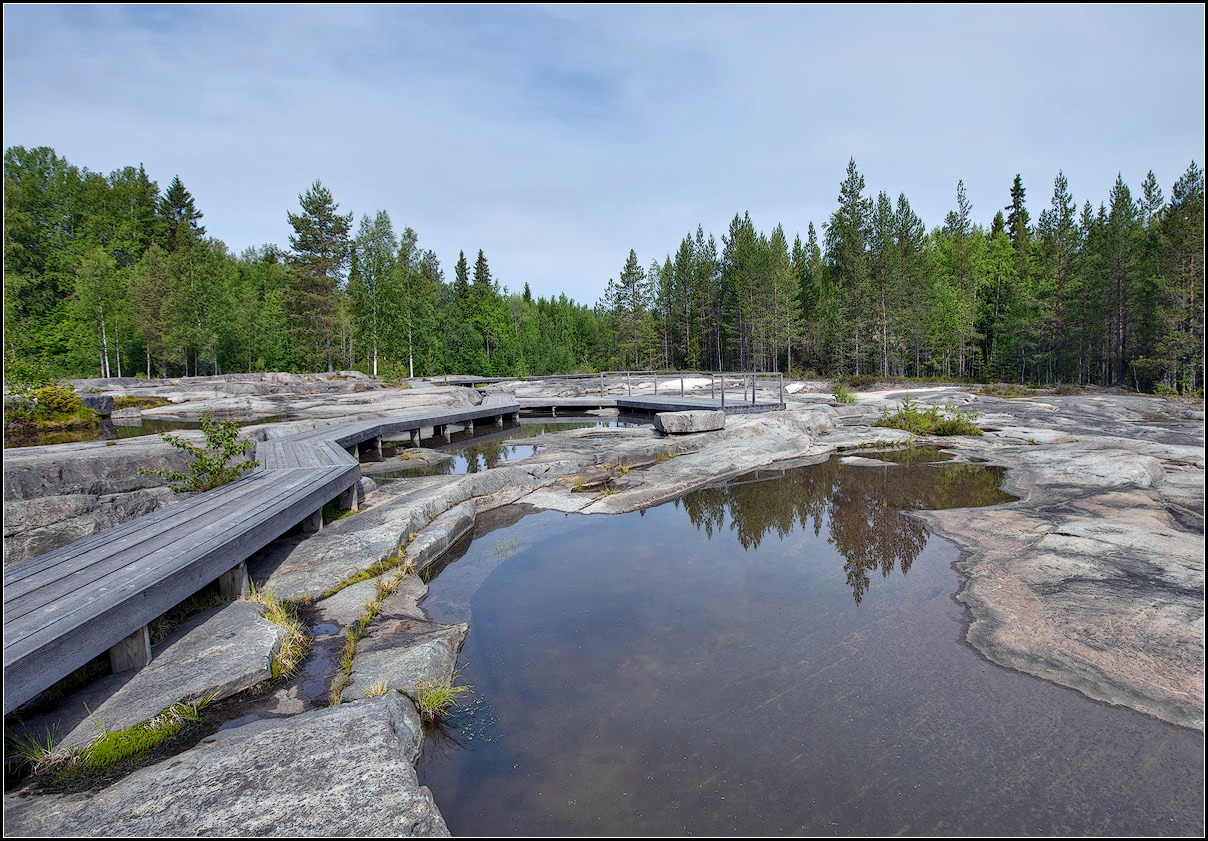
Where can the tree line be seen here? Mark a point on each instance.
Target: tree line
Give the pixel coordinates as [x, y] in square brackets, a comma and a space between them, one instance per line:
[107, 275]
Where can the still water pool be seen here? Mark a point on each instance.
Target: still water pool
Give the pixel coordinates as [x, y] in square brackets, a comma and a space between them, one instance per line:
[771, 657]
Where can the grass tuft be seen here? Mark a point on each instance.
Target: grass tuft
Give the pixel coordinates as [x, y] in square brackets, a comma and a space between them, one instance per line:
[434, 699]
[296, 644]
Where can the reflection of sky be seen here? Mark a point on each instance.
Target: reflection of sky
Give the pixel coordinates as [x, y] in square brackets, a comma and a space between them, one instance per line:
[641, 674]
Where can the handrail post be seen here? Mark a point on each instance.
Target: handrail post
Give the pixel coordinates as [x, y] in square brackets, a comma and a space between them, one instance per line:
[601, 383]
[781, 390]
[723, 390]
[629, 382]
[681, 383]
[711, 389]
[655, 374]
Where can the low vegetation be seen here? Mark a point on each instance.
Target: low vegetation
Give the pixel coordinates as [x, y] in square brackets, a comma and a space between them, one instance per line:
[951, 420]
[842, 395]
[296, 644]
[41, 755]
[210, 466]
[357, 630]
[434, 699]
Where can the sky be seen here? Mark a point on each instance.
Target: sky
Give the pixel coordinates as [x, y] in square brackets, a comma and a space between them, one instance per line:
[557, 138]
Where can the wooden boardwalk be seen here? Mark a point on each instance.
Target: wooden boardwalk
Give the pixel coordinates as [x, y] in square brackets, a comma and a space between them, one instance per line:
[98, 594]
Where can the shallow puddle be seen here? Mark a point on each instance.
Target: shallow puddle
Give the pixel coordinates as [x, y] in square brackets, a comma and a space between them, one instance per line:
[771, 657]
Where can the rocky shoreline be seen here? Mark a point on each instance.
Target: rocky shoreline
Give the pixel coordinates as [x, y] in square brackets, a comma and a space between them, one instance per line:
[1093, 579]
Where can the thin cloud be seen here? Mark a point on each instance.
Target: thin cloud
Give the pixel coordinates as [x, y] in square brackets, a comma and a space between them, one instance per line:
[557, 138]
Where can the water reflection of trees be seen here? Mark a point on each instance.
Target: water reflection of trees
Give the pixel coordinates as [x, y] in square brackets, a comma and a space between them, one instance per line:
[861, 508]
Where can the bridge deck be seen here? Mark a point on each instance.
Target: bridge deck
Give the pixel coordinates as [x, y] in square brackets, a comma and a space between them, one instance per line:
[63, 608]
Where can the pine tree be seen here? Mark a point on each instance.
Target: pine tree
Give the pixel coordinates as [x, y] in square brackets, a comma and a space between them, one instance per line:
[1058, 235]
[320, 255]
[179, 217]
[847, 263]
[461, 277]
[482, 273]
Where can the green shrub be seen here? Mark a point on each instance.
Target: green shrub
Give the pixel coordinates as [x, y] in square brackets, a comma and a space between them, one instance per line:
[54, 399]
[842, 395]
[952, 420]
[859, 381]
[210, 466]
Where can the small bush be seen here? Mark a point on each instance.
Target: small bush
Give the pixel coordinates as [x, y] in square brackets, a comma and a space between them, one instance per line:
[859, 381]
[952, 420]
[210, 467]
[54, 399]
[842, 395]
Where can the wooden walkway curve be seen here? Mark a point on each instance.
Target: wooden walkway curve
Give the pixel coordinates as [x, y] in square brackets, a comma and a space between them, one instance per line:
[65, 607]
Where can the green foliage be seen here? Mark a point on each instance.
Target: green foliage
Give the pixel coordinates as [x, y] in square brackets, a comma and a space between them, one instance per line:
[142, 402]
[951, 420]
[55, 399]
[104, 275]
[842, 395]
[435, 698]
[211, 465]
[284, 614]
[22, 374]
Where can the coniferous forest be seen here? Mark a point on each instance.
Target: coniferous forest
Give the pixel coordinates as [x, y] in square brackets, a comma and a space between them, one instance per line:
[110, 275]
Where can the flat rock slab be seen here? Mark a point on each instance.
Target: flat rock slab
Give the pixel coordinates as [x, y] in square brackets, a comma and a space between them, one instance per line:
[345, 771]
[685, 423]
[402, 653]
[216, 653]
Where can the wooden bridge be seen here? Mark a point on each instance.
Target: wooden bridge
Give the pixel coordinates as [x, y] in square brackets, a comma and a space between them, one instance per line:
[732, 392]
[99, 594]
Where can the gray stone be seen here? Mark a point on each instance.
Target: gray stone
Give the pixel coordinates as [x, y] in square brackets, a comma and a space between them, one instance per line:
[101, 404]
[685, 423]
[402, 653]
[216, 654]
[345, 771]
[36, 526]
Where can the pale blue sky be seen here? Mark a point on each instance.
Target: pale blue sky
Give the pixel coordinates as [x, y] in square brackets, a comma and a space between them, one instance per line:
[557, 138]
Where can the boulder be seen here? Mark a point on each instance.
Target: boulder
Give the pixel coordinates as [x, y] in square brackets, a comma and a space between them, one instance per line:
[684, 423]
[344, 771]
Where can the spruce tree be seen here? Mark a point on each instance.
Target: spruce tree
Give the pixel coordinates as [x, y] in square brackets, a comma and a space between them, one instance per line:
[320, 255]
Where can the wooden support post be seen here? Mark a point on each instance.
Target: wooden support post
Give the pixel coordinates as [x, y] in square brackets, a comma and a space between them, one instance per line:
[601, 383]
[133, 652]
[499, 421]
[370, 450]
[629, 383]
[681, 383]
[347, 501]
[470, 426]
[313, 523]
[234, 584]
[415, 437]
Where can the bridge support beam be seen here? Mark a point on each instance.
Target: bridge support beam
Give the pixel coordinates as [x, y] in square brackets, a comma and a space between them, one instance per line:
[370, 450]
[133, 652]
[313, 523]
[347, 501]
[415, 437]
[235, 584]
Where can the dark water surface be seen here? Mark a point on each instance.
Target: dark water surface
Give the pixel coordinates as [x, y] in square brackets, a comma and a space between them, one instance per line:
[771, 658]
[473, 453]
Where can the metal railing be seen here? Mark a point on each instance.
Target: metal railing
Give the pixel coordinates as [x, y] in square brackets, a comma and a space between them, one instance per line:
[720, 382]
